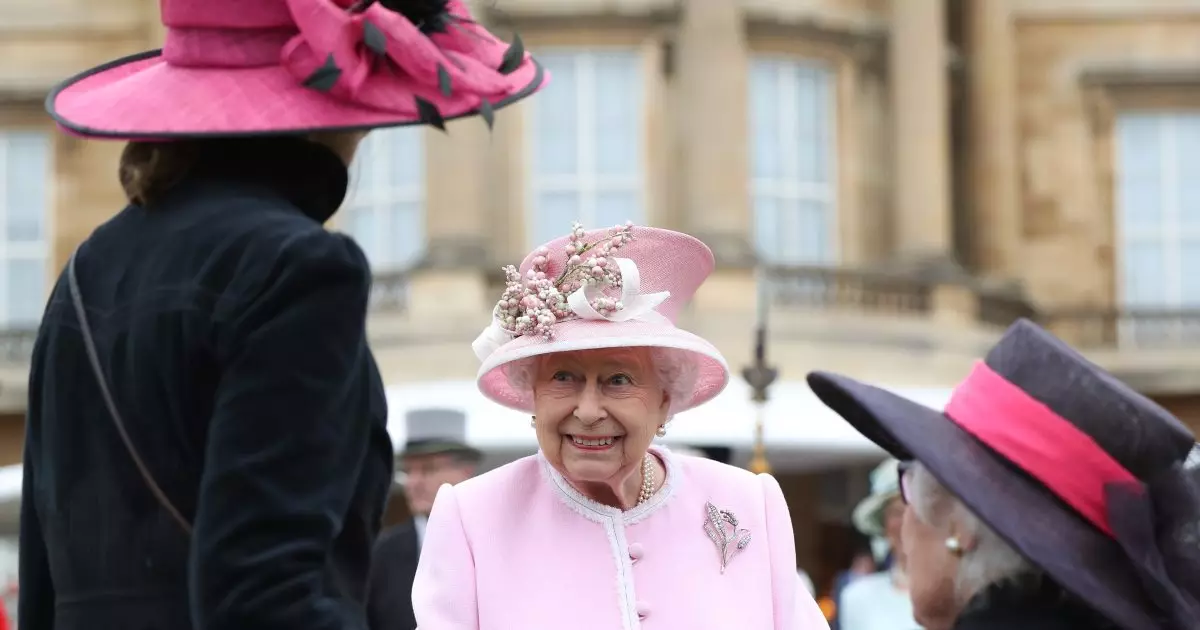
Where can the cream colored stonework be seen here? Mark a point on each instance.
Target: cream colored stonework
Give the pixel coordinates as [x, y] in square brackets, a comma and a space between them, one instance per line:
[1038, 156]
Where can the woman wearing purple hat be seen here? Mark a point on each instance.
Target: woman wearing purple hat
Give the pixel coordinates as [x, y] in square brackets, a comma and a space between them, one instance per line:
[1047, 495]
[207, 442]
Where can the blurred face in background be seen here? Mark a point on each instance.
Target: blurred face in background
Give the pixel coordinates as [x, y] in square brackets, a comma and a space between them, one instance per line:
[893, 522]
[424, 474]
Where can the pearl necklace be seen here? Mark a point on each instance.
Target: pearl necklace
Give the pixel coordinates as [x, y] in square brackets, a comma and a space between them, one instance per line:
[647, 479]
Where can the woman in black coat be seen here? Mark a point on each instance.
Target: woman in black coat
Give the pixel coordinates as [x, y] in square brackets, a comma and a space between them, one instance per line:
[207, 437]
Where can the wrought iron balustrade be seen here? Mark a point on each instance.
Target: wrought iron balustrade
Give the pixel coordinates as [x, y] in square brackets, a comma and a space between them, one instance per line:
[1127, 329]
[811, 286]
[389, 292]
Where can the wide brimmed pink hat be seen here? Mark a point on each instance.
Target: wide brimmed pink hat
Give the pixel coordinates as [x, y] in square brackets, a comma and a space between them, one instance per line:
[261, 67]
[618, 288]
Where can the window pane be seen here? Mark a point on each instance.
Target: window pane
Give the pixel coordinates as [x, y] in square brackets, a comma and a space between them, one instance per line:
[557, 125]
[555, 213]
[616, 207]
[1189, 262]
[1140, 205]
[766, 227]
[24, 201]
[26, 291]
[405, 156]
[807, 139]
[792, 154]
[1186, 140]
[587, 141]
[1140, 188]
[364, 171]
[363, 226]
[1144, 274]
[617, 127]
[764, 119]
[385, 212]
[406, 236]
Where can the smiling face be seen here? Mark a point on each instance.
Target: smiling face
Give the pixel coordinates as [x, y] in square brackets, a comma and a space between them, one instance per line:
[596, 412]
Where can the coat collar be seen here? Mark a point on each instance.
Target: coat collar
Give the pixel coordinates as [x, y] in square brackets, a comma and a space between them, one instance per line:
[308, 175]
[1043, 607]
[596, 511]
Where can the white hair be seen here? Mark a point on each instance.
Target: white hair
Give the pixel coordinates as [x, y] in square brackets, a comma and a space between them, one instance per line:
[990, 561]
[677, 373]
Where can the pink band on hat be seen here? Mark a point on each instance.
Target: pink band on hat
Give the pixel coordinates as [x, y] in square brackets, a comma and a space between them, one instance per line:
[1034, 438]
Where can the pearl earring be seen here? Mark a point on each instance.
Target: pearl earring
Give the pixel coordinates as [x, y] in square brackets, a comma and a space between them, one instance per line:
[662, 430]
[532, 422]
[954, 546]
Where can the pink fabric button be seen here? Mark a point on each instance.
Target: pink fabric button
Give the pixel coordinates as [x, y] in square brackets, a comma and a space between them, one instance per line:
[635, 551]
[643, 610]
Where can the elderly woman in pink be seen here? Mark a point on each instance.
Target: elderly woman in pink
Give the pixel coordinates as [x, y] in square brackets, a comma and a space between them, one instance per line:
[601, 529]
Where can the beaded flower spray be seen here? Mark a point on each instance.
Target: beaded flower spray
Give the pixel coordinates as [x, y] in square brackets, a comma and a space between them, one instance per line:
[533, 303]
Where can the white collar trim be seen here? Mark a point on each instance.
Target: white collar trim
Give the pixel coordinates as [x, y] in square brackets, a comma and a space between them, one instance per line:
[600, 513]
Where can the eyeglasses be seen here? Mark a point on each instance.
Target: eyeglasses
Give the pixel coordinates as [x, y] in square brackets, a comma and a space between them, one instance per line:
[902, 471]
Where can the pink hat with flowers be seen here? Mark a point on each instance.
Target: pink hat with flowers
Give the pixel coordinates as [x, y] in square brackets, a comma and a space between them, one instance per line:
[257, 67]
[591, 290]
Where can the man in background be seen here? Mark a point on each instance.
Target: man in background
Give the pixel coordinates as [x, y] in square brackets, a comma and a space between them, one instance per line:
[435, 453]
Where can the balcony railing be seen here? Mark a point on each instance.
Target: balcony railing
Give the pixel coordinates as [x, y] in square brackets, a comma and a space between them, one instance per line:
[1126, 329]
[389, 293]
[855, 289]
[16, 344]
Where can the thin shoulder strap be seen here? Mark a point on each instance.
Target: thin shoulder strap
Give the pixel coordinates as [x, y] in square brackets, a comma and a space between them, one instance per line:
[94, 357]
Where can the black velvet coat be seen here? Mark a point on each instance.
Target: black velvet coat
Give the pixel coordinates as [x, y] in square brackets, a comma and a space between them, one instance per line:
[231, 329]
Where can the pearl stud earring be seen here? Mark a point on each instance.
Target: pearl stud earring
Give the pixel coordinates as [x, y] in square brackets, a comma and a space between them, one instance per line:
[954, 546]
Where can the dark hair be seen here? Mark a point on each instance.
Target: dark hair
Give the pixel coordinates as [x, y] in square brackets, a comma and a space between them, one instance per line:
[149, 169]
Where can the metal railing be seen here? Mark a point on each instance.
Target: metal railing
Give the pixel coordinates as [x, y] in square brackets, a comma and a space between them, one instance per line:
[1126, 329]
[856, 289]
[389, 292]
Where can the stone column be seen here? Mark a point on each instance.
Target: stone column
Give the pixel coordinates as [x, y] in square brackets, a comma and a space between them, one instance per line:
[918, 76]
[994, 186]
[712, 132]
[451, 277]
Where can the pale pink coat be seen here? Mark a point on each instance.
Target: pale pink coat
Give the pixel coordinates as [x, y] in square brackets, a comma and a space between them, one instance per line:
[518, 548]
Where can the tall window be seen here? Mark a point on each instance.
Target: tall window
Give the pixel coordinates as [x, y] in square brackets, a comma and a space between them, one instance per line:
[385, 212]
[792, 159]
[586, 141]
[1158, 210]
[25, 180]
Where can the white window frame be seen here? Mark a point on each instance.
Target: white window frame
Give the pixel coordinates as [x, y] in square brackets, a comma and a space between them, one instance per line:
[787, 190]
[39, 250]
[586, 182]
[1169, 235]
[378, 200]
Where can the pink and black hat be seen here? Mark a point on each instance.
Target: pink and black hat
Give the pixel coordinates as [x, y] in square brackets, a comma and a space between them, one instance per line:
[265, 67]
[1089, 480]
[617, 288]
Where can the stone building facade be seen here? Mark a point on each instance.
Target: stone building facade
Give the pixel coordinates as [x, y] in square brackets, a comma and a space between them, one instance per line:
[908, 176]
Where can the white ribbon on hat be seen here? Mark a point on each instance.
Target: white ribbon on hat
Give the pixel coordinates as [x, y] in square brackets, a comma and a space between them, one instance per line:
[634, 304]
[490, 340]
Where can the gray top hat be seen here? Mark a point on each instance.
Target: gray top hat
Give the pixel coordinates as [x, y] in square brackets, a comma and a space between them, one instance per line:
[437, 431]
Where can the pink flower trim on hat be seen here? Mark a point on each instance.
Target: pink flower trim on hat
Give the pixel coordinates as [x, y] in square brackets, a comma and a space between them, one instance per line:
[532, 304]
[351, 50]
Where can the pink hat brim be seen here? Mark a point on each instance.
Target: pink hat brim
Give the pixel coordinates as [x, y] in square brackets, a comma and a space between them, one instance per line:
[142, 97]
[712, 373]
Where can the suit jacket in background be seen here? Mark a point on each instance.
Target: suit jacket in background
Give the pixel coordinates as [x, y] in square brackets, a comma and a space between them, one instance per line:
[389, 588]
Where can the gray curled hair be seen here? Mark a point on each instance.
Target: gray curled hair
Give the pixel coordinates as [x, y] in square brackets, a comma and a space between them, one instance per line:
[676, 371]
[992, 561]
